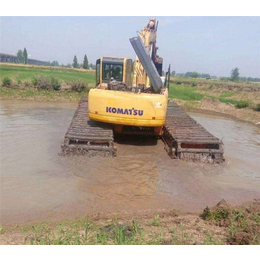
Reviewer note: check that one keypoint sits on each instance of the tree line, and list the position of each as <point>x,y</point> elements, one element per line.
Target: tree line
<point>193,74</point>
<point>84,65</point>
<point>234,76</point>
<point>22,57</point>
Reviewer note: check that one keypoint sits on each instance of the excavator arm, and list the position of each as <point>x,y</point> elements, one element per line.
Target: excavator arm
<point>147,64</point>
<point>148,36</point>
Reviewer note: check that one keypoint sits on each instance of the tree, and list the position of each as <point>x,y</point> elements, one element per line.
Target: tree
<point>75,62</point>
<point>54,63</point>
<point>194,74</point>
<point>85,62</point>
<point>92,66</point>
<point>188,74</point>
<point>234,74</point>
<point>19,56</point>
<point>25,56</point>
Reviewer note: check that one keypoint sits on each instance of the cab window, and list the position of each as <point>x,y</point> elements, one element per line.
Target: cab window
<point>114,71</point>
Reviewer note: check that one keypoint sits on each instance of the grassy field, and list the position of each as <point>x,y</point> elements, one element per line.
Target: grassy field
<point>239,100</point>
<point>20,74</point>
<point>226,93</point>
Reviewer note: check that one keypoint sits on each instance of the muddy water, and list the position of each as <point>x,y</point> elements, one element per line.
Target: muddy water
<point>39,185</point>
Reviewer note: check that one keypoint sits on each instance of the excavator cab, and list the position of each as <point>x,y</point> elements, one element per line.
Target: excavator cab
<point>113,68</point>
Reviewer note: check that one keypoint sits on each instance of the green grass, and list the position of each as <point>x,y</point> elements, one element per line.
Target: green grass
<point>236,102</point>
<point>6,82</point>
<point>222,225</point>
<point>188,93</point>
<point>19,82</point>
<point>226,94</point>
<point>22,74</point>
<point>257,107</point>
<point>155,222</point>
<point>86,233</point>
<point>184,93</point>
<point>243,225</point>
<point>211,82</point>
<point>25,83</point>
<point>217,215</point>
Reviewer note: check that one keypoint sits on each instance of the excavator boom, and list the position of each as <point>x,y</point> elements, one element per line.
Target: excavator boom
<point>138,46</point>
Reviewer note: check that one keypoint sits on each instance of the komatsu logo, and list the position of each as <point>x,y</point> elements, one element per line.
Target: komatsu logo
<point>125,111</point>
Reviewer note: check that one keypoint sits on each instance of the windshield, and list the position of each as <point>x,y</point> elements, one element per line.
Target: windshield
<point>114,71</point>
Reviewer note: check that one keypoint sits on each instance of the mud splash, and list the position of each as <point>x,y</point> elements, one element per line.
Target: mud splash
<point>39,185</point>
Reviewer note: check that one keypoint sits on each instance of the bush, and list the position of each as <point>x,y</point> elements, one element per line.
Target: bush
<point>257,107</point>
<point>79,86</point>
<point>19,81</point>
<point>44,83</point>
<point>34,82</point>
<point>27,83</point>
<point>55,84</point>
<point>242,104</point>
<point>6,82</point>
<point>215,215</point>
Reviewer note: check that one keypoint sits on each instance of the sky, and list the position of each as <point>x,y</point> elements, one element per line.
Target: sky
<point>206,44</point>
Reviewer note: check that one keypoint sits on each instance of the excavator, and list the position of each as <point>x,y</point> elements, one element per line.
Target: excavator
<point>134,100</point>
<point>131,104</point>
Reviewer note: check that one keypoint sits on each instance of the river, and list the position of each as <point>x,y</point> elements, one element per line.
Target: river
<point>39,185</point>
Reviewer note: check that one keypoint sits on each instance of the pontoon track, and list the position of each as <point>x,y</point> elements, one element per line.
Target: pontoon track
<point>86,136</point>
<point>188,140</point>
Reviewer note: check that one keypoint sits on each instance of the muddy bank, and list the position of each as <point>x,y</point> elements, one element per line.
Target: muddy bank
<point>218,225</point>
<point>207,105</point>
<point>215,107</point>
<point>39,185</point>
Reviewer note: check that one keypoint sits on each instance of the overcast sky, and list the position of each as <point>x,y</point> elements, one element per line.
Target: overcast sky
<point>213,45</point>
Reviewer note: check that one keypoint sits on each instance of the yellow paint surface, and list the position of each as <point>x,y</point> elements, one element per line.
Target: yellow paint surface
<point>127,108</point>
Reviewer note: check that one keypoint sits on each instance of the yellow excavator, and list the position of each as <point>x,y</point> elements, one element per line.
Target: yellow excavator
<point>131,102</point>
<point>134,100</point>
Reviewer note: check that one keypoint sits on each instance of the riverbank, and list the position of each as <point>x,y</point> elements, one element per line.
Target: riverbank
<point>39,83</point>
<point>215,107</point>
<point>219,225</point>
<point>234,99</point>
<point>205,105</point>
<point>34,94</point>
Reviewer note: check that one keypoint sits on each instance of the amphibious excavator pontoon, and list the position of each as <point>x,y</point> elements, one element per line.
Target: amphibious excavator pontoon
<point>136,102</point>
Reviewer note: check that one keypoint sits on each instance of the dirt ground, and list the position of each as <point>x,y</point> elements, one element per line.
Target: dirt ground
<point>222,224</point>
